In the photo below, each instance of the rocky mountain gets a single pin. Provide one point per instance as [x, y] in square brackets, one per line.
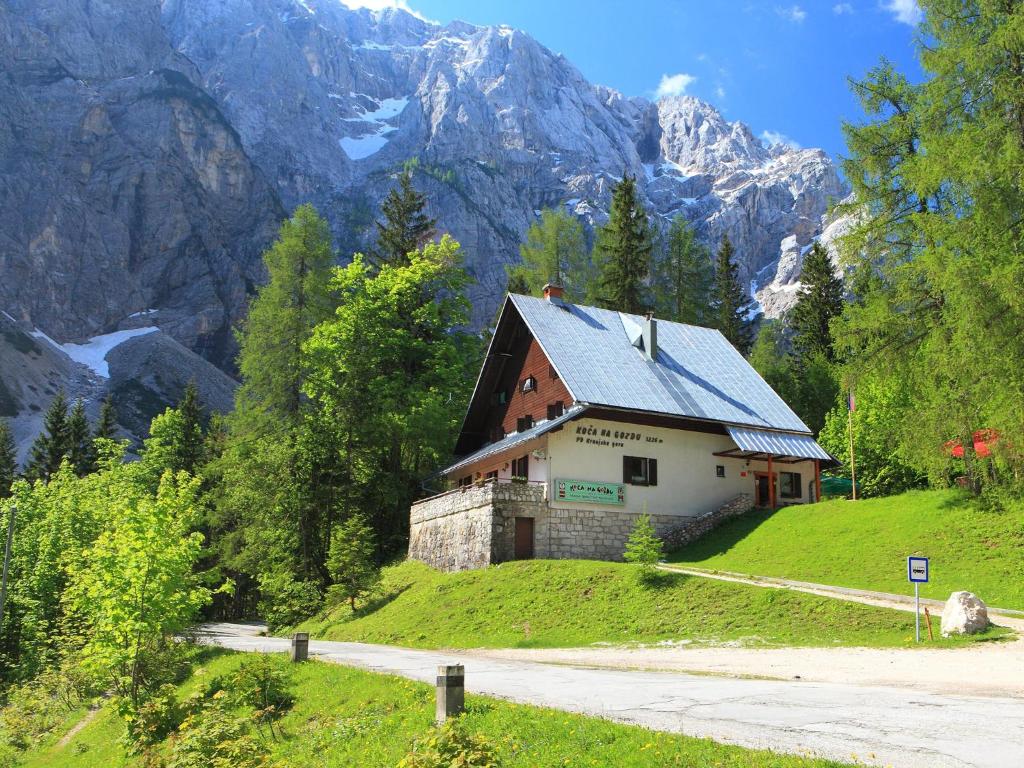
[149, 149]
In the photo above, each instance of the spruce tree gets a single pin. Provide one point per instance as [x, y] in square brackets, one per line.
[731, 305]
[193, 438]
[80, 449]
[683, 276]
[623, 251]
[53, 443]
[820, 299]
[555, 252]
[8, 460]
[405, 227]
[106, 427]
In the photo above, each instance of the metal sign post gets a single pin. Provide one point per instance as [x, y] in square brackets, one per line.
[917, 574]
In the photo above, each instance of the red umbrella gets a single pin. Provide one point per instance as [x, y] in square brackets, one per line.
[984, 439]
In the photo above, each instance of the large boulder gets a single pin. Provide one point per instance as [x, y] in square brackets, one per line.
[964, 614]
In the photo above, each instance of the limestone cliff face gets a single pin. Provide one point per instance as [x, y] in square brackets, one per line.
[148, 150]
[122, 186]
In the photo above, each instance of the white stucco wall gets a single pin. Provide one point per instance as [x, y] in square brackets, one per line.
[589, 449]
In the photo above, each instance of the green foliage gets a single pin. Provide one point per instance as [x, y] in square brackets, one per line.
[937, 243]
[263, 684]
[80, 451]
[451, 745]
[106, 427]
[285, 601]
[53, 444]
[683, 277]
[134, 586]
[819, 301]
[8, 460]
[643, 547]
[215, 736]
[771, 357]
[884, 410]
[622, 252]
[555, 252]
[351, 560]
[730, 304]
[35, 709]
[406, 227]
[153, 720]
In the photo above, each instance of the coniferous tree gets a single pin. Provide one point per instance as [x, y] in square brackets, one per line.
[683, 277]
[80, 449]
[53, 443]
[555, 252]
[405, 227]
[623, 252]
[819, 301]
[106, 427]
[193, 438]
[8, 460]
[731, 305]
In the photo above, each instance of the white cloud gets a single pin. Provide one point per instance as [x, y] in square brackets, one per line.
[793, 13]
[774, 137]
[720, 92]
[382, 5]
[904, 11]
[840, 8]
[674, 85]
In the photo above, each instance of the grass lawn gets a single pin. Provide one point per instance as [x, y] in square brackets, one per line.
[346, 717]
[565, 603]
[865, 544]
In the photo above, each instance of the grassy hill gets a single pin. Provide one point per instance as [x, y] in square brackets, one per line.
[864, 544]
[564, 603]
[346, 717]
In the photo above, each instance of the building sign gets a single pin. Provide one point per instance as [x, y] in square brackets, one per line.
[613, 438]
[585, 490]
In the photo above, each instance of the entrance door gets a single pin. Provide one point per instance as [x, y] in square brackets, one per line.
[763, 493]
[524, 538]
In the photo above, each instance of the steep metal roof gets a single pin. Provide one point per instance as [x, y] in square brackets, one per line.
[777, 443]
[696, 373]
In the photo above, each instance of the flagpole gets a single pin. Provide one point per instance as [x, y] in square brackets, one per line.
[853, 463]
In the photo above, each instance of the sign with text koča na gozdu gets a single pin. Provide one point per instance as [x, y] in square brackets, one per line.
[585, 490]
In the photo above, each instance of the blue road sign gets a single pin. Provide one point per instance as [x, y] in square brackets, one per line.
[917, 569]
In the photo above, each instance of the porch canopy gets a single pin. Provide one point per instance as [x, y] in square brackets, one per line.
[787, 448]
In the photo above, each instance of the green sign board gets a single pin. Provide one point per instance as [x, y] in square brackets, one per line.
[586, 490]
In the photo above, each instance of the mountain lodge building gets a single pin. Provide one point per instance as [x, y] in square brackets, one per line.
[583, 419]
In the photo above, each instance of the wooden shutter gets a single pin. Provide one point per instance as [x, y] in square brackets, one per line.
[627, 478]
[652, 471]
[798, 491]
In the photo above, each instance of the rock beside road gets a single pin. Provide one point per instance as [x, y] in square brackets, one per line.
[964, 614]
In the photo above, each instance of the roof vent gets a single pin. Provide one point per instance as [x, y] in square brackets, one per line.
[650, 336]
[553, 292]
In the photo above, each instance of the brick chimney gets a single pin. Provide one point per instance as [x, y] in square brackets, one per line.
[553, 292]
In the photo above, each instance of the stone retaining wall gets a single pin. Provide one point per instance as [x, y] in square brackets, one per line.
[700, 526]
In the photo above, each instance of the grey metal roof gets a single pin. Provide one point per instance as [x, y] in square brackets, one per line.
[697, 373]
[777, 443]
[515, 439]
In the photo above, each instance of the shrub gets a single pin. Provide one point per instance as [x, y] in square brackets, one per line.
[285, 601]
[153, 720]
[262, 683]
[643, 547]
[37, 707]
[214, 737]
[448, 746]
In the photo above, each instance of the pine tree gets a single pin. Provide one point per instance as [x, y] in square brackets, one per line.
[351, 559]
[731, 305]
[623, 251]
[405, 227]
[555, 252]
[106, 427]
[820, 299]
[8, 460]
[53, 443]
[80, 449]
[193, 439]
[683, 277]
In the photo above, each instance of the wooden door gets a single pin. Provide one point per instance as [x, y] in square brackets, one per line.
[762, 495]
[524, 538]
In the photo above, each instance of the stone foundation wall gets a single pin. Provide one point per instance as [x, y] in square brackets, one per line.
[592, 534]
[694, 529]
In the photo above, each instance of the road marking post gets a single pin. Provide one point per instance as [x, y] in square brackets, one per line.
[300, 646]
[917, 574]
[451, 692]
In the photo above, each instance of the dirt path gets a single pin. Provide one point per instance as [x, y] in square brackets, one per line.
[983, 669]
[89, 717]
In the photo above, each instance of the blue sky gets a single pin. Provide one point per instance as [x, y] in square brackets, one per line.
[780, 67]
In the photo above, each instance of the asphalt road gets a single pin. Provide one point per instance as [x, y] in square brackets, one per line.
[875, 725]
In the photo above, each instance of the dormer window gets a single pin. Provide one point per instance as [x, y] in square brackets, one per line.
[555, 409]
[529, 384]
[500, 397]
[524, 423]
